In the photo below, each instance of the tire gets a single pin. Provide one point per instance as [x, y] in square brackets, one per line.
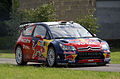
[51, 57]
[19, 56]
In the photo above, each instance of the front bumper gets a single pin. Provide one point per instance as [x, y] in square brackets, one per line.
[75, 58]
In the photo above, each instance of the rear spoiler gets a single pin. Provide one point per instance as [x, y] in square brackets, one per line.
[25, 24]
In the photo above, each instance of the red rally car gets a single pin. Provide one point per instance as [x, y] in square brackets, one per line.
[60, 43]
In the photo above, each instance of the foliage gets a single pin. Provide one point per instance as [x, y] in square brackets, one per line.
[13, 23]
[5, 8]
[3, 29]
[4, 43]
[89, 21]
[42, 14]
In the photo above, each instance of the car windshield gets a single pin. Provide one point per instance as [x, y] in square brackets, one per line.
[69, 31]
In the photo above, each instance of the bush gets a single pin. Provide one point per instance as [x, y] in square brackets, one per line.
[43, 14]
[89, 21]
[5, 43]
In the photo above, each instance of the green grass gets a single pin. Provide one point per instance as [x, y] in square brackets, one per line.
[6, 51]
[7, 55]
[8, 71]
[115, 57]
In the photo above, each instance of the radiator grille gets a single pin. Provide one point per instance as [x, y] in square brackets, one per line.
[89, 48]
[90, 55]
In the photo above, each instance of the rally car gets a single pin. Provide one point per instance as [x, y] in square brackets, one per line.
[61, 42]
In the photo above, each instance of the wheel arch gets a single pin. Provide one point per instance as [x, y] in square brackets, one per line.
[56, 47]
[23, 61]
[51, 45]
[17, 46]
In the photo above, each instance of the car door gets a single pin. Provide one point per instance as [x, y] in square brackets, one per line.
[27, 42]
[39, 43]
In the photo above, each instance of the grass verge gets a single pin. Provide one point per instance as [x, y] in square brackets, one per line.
[6, 51]
[8, 71]
[7, 55]
[115, 57]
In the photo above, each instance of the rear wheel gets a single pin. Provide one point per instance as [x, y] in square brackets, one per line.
[19, 56]
[51, 57]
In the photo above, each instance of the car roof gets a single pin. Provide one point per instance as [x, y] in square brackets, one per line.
[50, 23]
[47, 23]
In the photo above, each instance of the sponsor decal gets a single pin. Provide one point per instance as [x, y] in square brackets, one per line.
[25, 47]
[69, 52]
[70, 57]
[84, 43]
[106, 50]
[40, 49]
[40, 43]
[40, 56]
[106, 55]
[25, 40]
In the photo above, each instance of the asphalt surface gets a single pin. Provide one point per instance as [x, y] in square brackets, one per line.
[107, 68]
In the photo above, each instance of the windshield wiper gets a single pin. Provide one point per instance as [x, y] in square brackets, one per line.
[85, 37]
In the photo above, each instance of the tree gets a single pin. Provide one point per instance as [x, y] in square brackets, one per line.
[89, 21]
[17, 16]
[44, 13]
[5, 8]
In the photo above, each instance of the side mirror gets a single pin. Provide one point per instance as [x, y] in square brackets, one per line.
[94, 35]
[39, 36]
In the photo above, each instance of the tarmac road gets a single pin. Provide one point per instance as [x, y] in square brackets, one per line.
[107, 68]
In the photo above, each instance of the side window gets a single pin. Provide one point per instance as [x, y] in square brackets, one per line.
[28, 31]
[40, 30]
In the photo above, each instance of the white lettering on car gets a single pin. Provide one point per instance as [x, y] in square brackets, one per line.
[90, 43]
[25, 40]
[25, 47]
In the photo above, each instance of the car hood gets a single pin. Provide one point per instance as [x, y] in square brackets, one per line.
[82, 43]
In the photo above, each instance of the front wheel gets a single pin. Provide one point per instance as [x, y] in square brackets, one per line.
[19, 56]
[51, 57]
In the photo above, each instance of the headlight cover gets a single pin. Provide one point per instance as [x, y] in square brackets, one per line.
[104, 46]
[65, 47]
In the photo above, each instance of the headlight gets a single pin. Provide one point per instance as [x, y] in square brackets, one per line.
[65, 47]
[104, 46]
